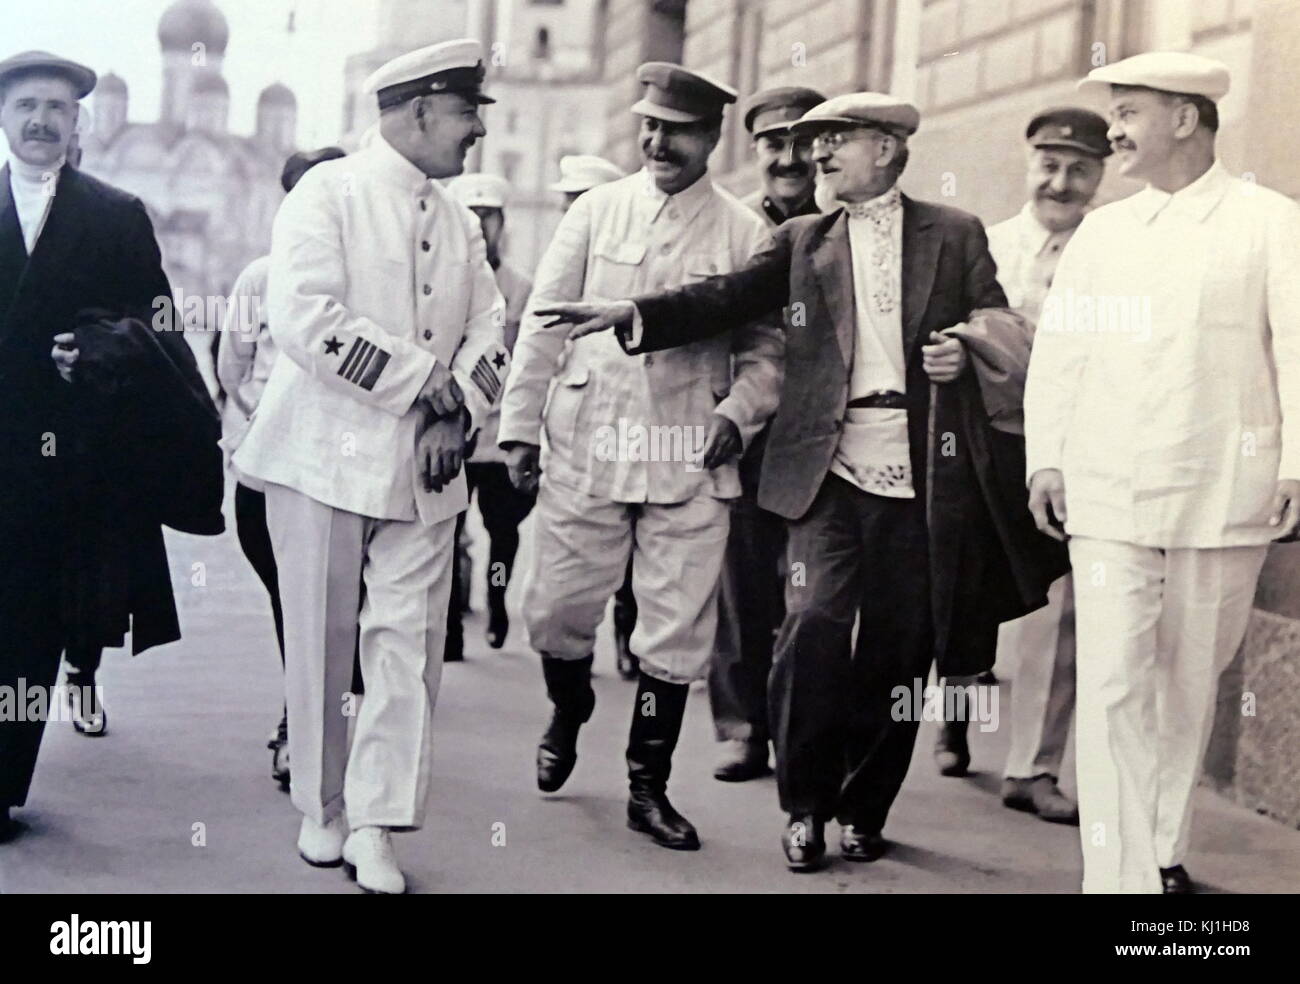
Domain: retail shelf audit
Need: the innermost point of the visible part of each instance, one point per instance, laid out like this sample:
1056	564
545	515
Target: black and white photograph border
436	244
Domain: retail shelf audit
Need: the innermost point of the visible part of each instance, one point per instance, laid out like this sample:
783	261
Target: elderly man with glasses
905	507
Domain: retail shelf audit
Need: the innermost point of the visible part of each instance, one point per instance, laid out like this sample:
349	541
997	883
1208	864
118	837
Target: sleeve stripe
367	382
357	345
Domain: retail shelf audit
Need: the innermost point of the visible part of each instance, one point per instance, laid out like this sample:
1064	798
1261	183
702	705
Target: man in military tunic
640	454
388	321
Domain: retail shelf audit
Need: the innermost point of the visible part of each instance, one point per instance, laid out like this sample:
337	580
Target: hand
523	464
945	359
439	451
586	317
441	393
1047	501
65	354
1286	509
722	442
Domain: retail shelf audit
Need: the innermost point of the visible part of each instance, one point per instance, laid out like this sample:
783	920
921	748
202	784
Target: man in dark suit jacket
88	462
904	507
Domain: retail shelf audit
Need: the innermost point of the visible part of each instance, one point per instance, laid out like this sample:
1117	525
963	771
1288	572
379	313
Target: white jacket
1165	376
376	275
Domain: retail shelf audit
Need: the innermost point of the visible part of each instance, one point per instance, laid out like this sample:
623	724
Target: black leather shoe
861	844
279	746
85	709
650	744
568	684
741	761
804	844
498	628
951	753
9	827
1176	881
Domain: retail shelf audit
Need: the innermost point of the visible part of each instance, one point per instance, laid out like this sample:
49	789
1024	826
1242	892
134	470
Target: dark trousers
31	640
255	541
750	611
503	508
839	751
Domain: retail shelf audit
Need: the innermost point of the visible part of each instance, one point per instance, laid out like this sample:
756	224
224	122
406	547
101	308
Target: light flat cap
38	62
582	172
862	109
678	95
775	109
1168	71
452	66
480	190
1071	127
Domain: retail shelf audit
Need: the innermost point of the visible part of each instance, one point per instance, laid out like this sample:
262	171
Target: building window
542	44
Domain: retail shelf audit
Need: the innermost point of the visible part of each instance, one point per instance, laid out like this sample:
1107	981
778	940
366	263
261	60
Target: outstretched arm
689	313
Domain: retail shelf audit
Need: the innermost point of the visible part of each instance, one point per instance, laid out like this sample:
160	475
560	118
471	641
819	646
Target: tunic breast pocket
614	267
565	411
702	265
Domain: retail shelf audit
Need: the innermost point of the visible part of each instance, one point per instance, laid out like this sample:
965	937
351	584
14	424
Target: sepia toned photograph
650	447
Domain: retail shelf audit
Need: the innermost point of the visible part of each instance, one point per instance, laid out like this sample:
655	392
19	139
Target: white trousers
1155	630
581	547
349	582
1042	694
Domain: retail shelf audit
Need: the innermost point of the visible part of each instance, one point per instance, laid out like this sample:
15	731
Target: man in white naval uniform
1067	148
1162	419
388	320
640	453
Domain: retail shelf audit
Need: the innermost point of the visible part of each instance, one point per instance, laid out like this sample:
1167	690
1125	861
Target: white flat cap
1170	71
452	66
862	109
581	172
480	190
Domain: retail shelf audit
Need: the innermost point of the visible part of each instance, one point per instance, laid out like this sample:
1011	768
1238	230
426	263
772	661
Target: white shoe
369	856
322	846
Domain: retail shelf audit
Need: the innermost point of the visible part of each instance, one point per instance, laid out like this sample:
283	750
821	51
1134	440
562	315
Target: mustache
41	133
666	156
790	171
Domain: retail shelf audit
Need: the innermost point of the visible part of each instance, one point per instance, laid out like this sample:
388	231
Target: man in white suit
1162	424
384	307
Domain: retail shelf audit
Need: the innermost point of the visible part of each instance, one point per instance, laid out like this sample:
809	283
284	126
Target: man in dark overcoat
106	432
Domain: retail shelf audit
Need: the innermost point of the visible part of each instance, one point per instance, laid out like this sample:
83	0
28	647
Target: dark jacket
988	563
90	471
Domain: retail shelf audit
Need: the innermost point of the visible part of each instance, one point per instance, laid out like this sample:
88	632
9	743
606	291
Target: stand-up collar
688	201
393	167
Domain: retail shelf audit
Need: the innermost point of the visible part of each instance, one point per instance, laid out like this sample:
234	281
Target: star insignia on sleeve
332	346
499	360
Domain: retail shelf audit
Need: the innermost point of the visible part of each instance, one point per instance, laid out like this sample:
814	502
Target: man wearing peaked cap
1065	152
388	320
603	497
502	506
1164	441
784	162
893	528
582	172
749	595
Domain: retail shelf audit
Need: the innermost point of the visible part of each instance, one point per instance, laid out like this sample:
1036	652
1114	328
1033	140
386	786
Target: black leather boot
568	684
656	723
